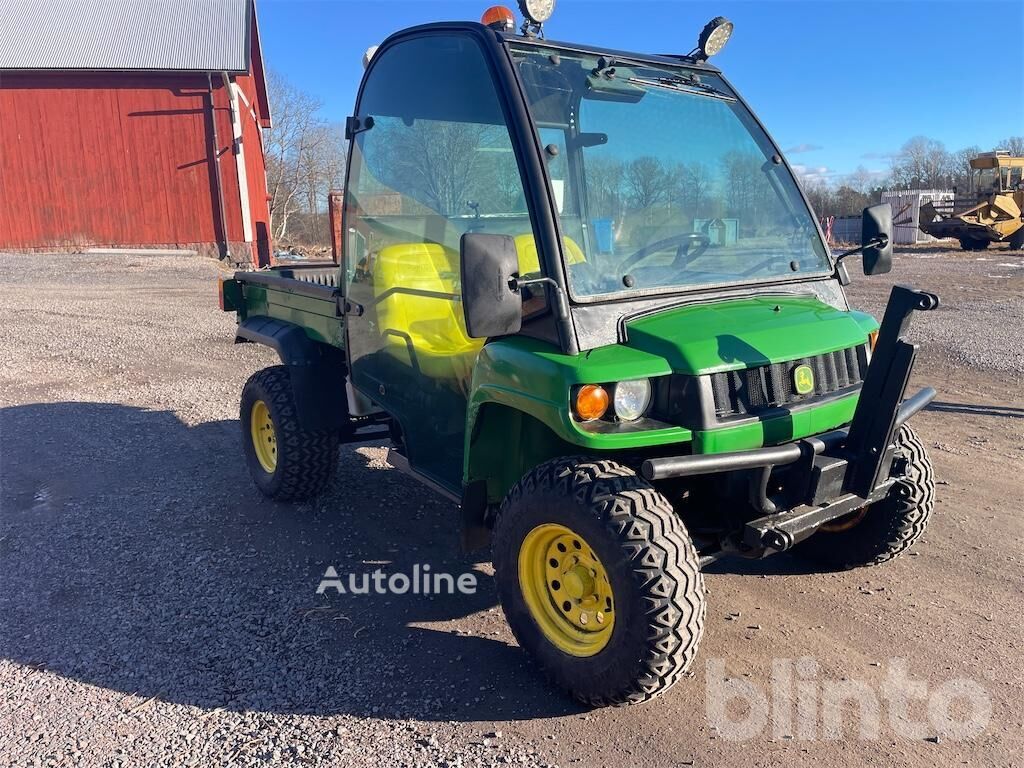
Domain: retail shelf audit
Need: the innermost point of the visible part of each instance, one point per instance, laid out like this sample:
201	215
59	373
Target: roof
998	159
170	35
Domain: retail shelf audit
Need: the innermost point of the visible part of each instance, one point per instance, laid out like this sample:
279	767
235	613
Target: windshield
663	179
986	181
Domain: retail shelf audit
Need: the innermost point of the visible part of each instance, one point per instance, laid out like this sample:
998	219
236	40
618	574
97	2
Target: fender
317	370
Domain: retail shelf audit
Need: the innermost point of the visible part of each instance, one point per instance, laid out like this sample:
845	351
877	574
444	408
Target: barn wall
118	159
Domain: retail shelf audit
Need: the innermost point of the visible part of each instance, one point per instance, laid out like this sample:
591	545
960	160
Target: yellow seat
419	313
529	261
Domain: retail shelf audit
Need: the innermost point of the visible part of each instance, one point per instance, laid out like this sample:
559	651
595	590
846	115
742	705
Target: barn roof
171	35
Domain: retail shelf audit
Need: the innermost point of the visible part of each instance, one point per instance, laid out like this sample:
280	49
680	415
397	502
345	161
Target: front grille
752	391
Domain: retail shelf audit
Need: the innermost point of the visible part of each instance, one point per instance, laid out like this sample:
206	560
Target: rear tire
888	527
287	462
646	579
971	244
1017	241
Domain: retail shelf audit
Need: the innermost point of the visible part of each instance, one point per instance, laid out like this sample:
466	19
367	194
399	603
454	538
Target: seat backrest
529	261
416	289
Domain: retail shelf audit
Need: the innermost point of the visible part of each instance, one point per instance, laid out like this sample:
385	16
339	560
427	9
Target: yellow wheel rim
264	438
566	589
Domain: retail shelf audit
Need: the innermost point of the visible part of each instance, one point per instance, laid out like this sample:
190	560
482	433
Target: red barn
133	124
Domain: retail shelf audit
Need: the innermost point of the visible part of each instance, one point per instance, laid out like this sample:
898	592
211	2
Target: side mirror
489	265
876	239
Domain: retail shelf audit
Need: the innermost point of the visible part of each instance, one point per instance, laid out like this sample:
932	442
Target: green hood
741	333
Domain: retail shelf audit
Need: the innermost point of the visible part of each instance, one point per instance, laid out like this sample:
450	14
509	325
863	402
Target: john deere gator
583	297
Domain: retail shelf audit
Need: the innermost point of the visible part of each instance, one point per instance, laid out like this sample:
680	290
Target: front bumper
832	474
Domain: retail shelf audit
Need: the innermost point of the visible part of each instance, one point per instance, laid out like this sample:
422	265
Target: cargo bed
306	295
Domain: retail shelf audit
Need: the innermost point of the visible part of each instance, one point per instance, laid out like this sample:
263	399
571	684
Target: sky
840	84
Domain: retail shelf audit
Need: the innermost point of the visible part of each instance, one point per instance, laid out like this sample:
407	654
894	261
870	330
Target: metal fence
906	211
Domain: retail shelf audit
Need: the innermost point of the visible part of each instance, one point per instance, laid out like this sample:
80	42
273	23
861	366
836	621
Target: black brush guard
835	473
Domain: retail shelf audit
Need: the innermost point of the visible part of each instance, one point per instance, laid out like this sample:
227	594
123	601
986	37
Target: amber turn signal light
872	340
591	402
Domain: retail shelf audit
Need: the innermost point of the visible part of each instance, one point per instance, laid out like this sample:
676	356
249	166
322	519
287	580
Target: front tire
287	462
599	580
888	527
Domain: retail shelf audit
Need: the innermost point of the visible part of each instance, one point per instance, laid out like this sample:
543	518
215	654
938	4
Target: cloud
812	172
878	155
796	150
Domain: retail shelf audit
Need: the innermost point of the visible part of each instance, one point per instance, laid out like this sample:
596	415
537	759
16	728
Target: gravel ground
981	319
156	610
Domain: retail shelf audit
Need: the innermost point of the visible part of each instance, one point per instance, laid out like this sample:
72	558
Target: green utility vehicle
582	294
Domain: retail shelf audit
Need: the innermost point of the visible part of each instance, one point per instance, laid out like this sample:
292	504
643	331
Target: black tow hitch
852	469
838	472
875	420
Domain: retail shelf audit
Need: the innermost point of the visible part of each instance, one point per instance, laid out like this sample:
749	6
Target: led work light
714	36
537	11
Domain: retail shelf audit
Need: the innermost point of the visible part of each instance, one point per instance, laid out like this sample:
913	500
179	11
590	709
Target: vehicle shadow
976	409
136	555
781	564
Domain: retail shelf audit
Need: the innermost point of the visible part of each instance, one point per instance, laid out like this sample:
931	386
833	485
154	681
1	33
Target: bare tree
922	163
605	183
435	163
693	186
1013	144
821	197
647	182
960	168
861	180
297	131
321	167
745	183
508	187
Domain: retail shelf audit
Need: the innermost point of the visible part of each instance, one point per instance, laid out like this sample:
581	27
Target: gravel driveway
156	610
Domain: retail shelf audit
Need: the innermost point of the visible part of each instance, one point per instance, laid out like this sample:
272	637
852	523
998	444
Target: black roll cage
530	157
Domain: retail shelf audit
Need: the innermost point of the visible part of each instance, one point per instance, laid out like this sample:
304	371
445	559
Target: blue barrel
604	235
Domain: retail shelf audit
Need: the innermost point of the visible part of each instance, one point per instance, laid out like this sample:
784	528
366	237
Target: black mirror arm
562	301
878	241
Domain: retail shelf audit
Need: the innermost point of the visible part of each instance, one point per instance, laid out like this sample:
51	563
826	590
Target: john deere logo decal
803	379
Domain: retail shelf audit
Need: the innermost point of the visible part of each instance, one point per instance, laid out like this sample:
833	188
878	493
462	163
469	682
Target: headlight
632	399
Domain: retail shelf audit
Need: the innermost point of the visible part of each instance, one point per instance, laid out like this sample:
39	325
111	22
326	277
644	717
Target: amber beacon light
500	18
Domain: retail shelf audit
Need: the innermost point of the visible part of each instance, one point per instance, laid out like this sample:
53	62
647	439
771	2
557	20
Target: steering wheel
764	263
683	244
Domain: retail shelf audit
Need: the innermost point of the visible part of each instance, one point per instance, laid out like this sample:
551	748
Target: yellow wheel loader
997	184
